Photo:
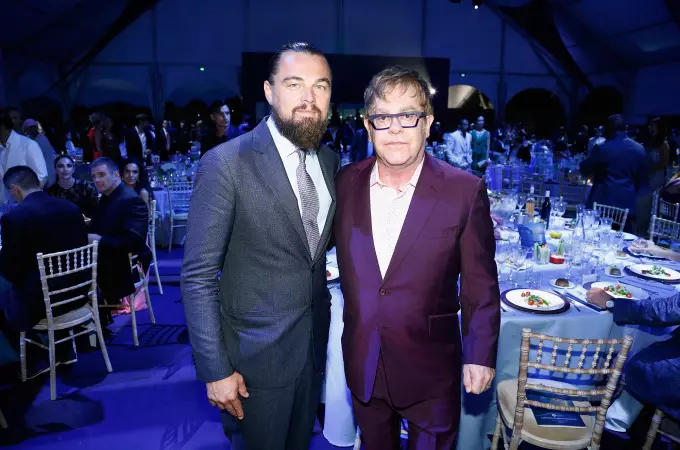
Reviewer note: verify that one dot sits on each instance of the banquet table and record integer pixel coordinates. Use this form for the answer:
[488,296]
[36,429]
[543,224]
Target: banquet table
[478,412]
[163,221]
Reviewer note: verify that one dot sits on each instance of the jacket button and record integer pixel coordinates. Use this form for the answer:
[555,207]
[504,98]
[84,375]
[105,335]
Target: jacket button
[383,292]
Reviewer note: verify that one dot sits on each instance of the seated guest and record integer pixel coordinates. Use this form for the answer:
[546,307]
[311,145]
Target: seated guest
[219,129]
[18,150]
[120,224]
[136,178]
[38,224]
[652,374]
[618,168]
[80,192]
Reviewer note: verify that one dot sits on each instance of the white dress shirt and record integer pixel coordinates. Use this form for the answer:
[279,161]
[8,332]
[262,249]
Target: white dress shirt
[21,151]
[389,206]
[459,149]
[291,161]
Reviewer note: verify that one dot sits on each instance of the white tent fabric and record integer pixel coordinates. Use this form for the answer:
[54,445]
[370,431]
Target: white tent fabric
[636,49]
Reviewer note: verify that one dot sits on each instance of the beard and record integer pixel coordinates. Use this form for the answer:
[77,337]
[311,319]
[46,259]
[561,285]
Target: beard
[306,133]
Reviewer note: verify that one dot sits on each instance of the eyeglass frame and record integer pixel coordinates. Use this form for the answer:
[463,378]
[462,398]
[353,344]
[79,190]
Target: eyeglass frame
[419,115]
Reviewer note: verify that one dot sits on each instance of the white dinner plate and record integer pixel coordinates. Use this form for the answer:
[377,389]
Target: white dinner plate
[639,269]
[623,255]
[332,273]
[553,284]
[637,293]
[628,237]
[515,297]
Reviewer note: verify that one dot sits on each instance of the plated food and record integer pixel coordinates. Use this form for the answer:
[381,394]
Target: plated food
[655,272]
[562,282]
[621,254]
[555,234]
[535,300]
[614,271]
[617,290]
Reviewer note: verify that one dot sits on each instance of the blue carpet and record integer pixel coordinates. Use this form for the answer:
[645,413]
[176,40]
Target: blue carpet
[151,400]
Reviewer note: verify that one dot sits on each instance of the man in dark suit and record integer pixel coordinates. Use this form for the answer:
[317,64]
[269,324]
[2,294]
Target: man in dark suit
[361,147]
[653,374]
[120,223]
[40,223]
[139,142]
[407,227]
[165,140]
[261,214]
[618,168]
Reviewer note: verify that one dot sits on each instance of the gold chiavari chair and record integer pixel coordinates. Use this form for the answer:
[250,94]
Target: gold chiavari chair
[619,216]
[663,228]
[63,266]
[512,394]
[179,197]
[153,214]
[655,428]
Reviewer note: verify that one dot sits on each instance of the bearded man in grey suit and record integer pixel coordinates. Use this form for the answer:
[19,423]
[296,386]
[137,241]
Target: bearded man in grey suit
[261,213]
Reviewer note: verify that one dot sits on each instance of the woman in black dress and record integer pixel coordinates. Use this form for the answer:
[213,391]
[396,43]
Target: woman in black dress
[67,187]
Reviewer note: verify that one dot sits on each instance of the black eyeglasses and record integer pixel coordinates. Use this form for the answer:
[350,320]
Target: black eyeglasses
[405,119]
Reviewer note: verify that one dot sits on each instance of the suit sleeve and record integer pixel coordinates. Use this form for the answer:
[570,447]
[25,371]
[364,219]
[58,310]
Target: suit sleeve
[653,312]
[135,224]
[36,161]
[211,216]
[590,163]
[479,294]
[12,243]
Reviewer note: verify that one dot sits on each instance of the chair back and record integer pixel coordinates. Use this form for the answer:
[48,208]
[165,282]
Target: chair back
[666,210]
[573,194]
[619,216]
[663,228]
[179,196]
[152,220]
[68,277]
[602,363]
[532,180]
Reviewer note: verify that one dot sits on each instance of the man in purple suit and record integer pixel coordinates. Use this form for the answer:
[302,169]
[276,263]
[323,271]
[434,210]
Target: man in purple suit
[407,225]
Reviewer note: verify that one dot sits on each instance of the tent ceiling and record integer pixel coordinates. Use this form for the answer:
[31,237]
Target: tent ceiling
[56,30]
[601,35]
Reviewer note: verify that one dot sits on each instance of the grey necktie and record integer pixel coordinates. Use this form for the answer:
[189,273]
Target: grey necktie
[310,203]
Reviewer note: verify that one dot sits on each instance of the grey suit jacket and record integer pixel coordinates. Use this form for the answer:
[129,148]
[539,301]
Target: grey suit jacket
[270,306]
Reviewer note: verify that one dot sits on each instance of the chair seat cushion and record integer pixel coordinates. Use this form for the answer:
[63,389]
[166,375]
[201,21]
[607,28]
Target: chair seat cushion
[68,320]
[542,436]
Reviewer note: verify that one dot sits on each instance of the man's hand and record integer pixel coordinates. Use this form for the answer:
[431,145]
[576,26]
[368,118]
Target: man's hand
[225,394]
[93,237]
[477,379]
[598,297]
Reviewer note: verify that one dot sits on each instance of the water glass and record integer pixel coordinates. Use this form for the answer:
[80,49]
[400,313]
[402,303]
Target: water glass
[606,223]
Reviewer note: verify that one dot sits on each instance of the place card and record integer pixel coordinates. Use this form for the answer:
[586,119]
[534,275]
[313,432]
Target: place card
[589,278]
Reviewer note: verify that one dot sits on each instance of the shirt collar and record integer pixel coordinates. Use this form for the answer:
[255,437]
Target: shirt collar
[12,140]
[375,177]
[283,145]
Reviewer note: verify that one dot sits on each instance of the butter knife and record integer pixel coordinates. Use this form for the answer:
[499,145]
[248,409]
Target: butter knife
[573,298]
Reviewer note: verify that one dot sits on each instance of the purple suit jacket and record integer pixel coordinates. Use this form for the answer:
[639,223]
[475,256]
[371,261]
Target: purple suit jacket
[411,315]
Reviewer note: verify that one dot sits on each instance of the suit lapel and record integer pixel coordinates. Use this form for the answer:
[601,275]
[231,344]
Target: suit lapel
[326,163]
[273,172]
[423,201]
[362,218]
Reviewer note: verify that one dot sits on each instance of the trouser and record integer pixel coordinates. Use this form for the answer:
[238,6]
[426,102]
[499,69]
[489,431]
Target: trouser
[432,424]
[280,418]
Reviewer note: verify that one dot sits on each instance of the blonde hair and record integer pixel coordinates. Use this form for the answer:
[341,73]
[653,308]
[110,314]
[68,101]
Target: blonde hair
[388,79]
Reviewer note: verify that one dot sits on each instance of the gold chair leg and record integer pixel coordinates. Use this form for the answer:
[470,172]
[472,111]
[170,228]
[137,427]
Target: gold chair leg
[155,269]
[172,227]
[73,342]
[496,432]
[53,365]
[148,302]
[22,357]
[653,429]
[102,344]
[135,339]
[516,439]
